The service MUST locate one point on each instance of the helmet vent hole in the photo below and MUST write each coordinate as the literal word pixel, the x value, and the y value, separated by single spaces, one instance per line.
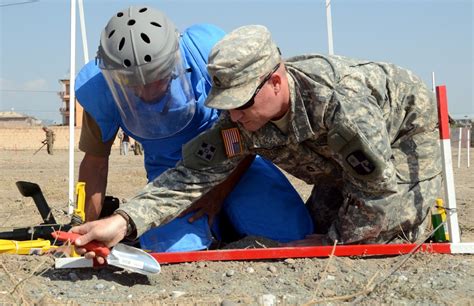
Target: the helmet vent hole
pixel 131 22
pixel 147 58
pixel 119 14
pixel 122 42
pixel 145 38
pixel 142 10
pixel 111 33
pixel 127 63
pixel 156 24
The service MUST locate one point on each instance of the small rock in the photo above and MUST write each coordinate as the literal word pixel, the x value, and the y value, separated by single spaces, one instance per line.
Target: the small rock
pixel 177 294
pixel 402 278
pixel 129 296
pixel 290 261
pixel 267 300
pixel 73 277
pixel 289 299
pixel 230 273
pixel 201 264
pixel 331 277
pixel 112 288
pixel 250 270
pixel 227 303
pixel 272 269
pixel 327 292
pixel 99 287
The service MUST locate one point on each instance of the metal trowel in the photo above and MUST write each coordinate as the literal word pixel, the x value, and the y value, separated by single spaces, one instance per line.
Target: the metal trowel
pixel 123 256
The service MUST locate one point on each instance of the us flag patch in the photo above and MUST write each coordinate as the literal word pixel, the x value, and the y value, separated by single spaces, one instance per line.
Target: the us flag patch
pixel 233 146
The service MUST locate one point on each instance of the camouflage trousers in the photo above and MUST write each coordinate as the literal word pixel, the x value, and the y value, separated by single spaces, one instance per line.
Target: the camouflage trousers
pixel 401 216
pixel 50 148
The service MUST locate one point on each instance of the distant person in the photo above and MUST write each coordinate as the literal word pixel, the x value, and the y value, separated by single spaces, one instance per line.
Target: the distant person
pixel 137 148
pixel 120 137
pixel 49 139
pixel 125 143
pixel 150 80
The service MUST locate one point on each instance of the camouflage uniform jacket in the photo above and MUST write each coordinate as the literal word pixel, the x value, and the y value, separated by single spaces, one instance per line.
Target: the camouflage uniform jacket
pixel 364 125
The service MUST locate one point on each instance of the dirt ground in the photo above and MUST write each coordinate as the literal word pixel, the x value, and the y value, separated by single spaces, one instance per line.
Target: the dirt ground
pixel 427 279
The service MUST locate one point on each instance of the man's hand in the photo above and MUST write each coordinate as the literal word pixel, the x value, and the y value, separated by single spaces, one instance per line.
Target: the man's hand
pixel 210 204
pixel 109 231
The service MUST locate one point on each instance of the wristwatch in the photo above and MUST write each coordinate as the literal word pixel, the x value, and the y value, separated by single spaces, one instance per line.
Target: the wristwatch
pixel 130 224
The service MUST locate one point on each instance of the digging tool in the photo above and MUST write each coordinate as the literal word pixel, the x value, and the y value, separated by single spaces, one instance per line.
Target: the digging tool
pixel 123 256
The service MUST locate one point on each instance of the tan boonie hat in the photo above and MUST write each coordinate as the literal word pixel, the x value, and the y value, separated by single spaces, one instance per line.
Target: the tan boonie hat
pixel 237 63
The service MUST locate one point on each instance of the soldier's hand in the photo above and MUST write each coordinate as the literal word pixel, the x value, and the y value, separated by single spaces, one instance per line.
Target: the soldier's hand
pixel 109 231
pixel 210 204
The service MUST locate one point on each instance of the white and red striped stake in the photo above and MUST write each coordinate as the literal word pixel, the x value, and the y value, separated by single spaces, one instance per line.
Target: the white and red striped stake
pixel 450 192
pixel 454 247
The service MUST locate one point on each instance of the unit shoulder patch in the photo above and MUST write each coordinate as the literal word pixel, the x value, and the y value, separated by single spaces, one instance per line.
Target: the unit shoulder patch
pixel 206 151
pixel 360 162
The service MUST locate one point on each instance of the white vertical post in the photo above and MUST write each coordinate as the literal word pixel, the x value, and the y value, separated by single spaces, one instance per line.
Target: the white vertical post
pixel 459 146
pixel 329 26
pixel 72 106
pixel 82 20
pixel 433 83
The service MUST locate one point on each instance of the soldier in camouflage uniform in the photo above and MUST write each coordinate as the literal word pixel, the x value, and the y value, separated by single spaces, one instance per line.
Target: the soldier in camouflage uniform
pixel 363 133
pixel 50 137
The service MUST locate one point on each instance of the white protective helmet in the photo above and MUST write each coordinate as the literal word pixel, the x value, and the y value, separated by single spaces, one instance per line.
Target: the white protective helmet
pixel 140 58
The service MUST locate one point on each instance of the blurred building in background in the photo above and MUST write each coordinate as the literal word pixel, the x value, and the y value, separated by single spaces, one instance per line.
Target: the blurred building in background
pixel 64 110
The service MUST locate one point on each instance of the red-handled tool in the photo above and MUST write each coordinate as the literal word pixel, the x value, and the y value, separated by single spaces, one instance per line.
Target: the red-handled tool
pixel 121 255
pixel 99 248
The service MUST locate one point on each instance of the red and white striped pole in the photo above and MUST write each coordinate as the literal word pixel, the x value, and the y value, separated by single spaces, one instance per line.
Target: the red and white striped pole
pixel 450 192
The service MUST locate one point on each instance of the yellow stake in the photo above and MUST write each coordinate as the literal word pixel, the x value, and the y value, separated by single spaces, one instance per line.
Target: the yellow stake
pixel 442 212
pixel 80 201
pixel 79 212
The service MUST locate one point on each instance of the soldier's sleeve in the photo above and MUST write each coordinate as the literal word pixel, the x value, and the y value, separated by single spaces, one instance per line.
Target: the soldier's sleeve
pixel 205 164
pixel 359 140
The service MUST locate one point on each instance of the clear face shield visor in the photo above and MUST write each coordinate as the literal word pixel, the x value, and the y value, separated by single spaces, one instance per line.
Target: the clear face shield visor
pixel 154 102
